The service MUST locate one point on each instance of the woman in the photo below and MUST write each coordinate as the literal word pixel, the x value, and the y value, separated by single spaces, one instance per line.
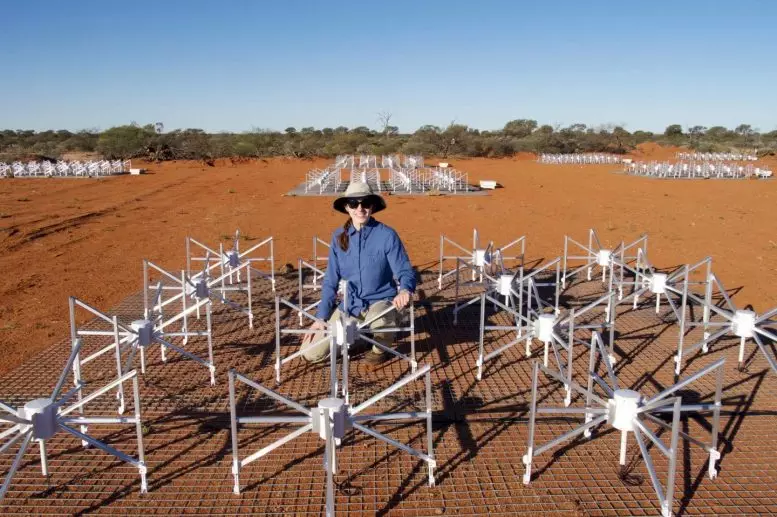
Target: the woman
pixel 370 256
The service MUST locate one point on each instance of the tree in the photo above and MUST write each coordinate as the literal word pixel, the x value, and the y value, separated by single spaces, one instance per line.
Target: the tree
pixel 384 119
pixel 674 134
pixel 673 131
pixel 519 128
pixel 745 131
pixel 123 142
pixel 717 134
pixel 696 133
pixel 621 138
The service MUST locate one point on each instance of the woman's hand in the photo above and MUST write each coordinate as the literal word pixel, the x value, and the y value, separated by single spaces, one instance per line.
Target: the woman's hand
pixel 401 299
pixel 317 325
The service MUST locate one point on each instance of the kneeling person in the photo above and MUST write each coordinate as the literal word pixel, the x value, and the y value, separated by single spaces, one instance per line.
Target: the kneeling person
pixel 370 256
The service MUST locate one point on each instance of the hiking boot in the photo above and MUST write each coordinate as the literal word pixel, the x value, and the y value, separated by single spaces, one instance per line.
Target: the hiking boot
pixel 375 358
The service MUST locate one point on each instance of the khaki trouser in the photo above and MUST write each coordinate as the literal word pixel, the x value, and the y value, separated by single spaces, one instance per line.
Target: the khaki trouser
pixel 321 350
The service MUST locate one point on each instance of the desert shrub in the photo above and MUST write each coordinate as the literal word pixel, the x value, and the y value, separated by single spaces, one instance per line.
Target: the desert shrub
pixel 454 140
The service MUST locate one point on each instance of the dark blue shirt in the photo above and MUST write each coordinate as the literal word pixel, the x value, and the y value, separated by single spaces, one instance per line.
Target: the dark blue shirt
pixel 375 258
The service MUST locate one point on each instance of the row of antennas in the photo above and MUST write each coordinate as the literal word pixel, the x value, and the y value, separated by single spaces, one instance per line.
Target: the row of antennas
pixel 741 156
pixel 600 401
pixel 579 158
pixel 706 170
pixel 46 169
pixel 399 180
pixel 387 161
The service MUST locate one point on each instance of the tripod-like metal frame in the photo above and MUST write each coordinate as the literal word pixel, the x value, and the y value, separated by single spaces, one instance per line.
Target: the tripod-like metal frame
pixel 595 255
pixel 628 411
pixel 229 261
pixel 742 323
pixel 317 275
pixel 477 257
pixel 496 285
pixel 42 418
pixel 331 420
pixel 200 287
pixel 126 340
pixel 556 333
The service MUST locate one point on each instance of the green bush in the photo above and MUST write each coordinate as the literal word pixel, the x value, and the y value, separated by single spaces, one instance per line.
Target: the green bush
pixel 519 135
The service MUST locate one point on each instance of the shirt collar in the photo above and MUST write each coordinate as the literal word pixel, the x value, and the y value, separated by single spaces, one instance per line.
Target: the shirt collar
pixel 371 223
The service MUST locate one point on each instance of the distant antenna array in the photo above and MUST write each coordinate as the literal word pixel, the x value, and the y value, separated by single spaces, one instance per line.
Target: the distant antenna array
pixel 344 161
pixel 407 181
pixel 391 161
pixel 414 161
pixel 580 158
pixel 751 155
pixel 448 179
pixel 46 169
pixel 323 180
pixel 370 176
pixel 706 170
pixel 41 419
pixel 389 172
pixel 628 411
pixel 442 179
pixel 368 161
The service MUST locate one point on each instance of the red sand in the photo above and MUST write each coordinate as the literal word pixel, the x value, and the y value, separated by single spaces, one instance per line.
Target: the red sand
pixel 86 238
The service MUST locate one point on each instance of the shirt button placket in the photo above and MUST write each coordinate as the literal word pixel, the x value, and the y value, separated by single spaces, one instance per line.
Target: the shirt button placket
pixel 359 263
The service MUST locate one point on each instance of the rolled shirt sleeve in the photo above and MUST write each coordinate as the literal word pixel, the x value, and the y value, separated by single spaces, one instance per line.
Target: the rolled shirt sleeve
pixel 399 263
pixel 375 265
pixel 330 284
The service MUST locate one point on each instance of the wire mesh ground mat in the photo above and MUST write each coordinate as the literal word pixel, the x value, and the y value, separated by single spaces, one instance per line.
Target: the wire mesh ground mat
pixel 479 432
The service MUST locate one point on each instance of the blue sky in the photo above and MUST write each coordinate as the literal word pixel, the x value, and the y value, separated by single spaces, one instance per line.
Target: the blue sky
pixel 234 66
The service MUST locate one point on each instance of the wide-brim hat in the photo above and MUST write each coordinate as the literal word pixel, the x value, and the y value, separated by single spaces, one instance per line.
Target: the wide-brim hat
pixel 362 190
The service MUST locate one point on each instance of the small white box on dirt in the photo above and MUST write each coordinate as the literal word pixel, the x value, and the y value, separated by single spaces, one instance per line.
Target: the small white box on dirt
pixel 488 184
pixel 137 172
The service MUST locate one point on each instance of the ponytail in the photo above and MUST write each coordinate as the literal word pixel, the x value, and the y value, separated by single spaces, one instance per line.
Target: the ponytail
pixel 344 239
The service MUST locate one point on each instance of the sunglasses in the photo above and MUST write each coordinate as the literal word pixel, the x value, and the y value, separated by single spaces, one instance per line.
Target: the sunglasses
pixel 353 203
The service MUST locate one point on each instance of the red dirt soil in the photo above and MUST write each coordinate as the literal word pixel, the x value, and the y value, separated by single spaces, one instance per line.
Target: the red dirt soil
pixel 87 237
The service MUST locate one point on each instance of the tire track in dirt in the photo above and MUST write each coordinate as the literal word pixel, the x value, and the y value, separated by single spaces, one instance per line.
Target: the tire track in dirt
pixel 73 222
pixel 95 253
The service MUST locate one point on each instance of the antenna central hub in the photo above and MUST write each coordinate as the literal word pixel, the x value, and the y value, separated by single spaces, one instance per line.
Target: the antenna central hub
pixel 345 333
pixel 504 284
pixel 658 283
pixel 338 418
pixel 144 330
pixel 744 323
pixel 543 327
pixel 603 258
pixel 201 289
pixel 480 257
pixel 43 415
pixel 232 258
pixel 623 408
